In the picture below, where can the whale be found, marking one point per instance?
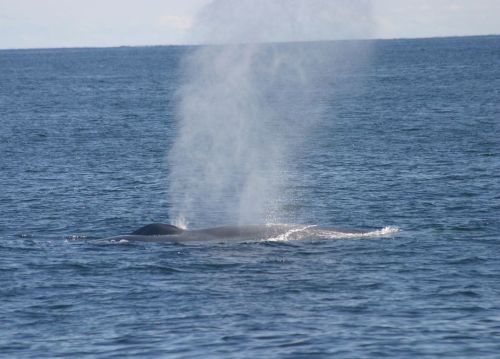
(160, 232)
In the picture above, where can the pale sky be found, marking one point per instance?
(88, 23)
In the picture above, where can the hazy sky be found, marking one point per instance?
(73, 23)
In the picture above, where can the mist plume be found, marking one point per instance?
(249, 98)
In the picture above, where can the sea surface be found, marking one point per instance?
(413, 144)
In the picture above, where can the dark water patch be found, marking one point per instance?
(468, 260)
(152, 269)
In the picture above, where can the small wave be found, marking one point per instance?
(24, 235)
(75, 237)
(120, 240)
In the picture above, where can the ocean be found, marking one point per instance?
(412, 143)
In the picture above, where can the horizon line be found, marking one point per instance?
(221, 44)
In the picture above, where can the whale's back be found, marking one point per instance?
(157, 229)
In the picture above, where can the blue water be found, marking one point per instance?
(412, 142)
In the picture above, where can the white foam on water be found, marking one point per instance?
(290, 234)
(384, 231)
(314, 232)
